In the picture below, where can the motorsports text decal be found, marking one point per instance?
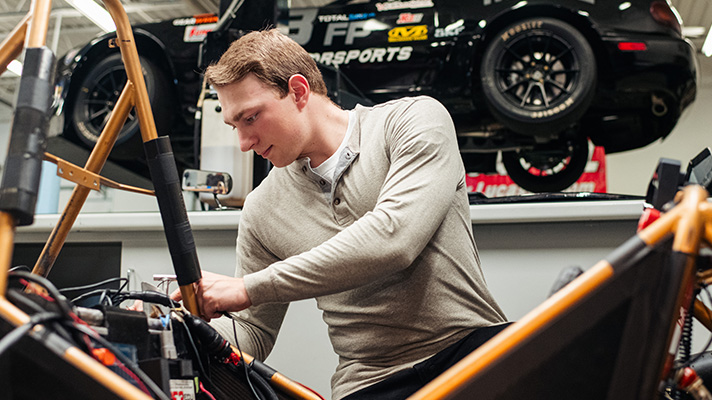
(372, 55)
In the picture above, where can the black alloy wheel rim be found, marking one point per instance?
(538, 71)
(101, 100)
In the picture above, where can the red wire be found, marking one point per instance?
(310, 389)
(206, 392)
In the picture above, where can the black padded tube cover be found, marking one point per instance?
(166, 184)
(28, 136)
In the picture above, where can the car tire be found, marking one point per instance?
(96, 97)
(550, 169)
(538, 76)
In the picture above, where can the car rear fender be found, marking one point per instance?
(147, 44)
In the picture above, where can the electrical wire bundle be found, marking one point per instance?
(49, 308)
(214, 358)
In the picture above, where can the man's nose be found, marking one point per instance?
(247, 141)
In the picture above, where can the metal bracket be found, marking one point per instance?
(88, 179)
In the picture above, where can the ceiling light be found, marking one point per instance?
(95, 13)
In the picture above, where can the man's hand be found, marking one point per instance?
(217, 294)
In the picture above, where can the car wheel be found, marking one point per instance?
(94, 100)
(550, 169)
(538, 76)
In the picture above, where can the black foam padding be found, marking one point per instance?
(28, 136)
(179, 234)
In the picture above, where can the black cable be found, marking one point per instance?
(20, 299)
(92, 293)
(149, 297)
(201, 369)
(17, 333)
(95, 285)
(58, 297)
(20, 267)
(195, 348)
(244, 364)
(262, 386)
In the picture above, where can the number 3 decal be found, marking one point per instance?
(301, 24)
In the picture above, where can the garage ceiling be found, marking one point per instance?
(69, 28)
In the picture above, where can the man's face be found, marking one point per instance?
(263, 122)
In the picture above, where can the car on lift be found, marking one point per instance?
(532, 81)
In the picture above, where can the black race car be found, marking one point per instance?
(533, 79)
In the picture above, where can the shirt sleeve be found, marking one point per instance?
(421, 184)
(256, 327)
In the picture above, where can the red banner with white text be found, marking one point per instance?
(495, 185)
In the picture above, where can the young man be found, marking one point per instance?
(366, 211)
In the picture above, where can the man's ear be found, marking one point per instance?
(299, 87)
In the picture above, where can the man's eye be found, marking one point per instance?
(251, 118)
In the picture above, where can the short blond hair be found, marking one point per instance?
(272, 57)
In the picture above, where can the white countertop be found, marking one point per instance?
(480, 214)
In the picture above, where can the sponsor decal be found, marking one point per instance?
(197, 20)
(349, 30)
(197, 33)
(521, 28)
(553, 111)
(301, 24)
(365, 56)
(448, 31)
(345, 18)
(361, 16)
(404, 5)
(408, 33)
(333, 18)
(351, 26)
(409, 18)
(499, 185)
